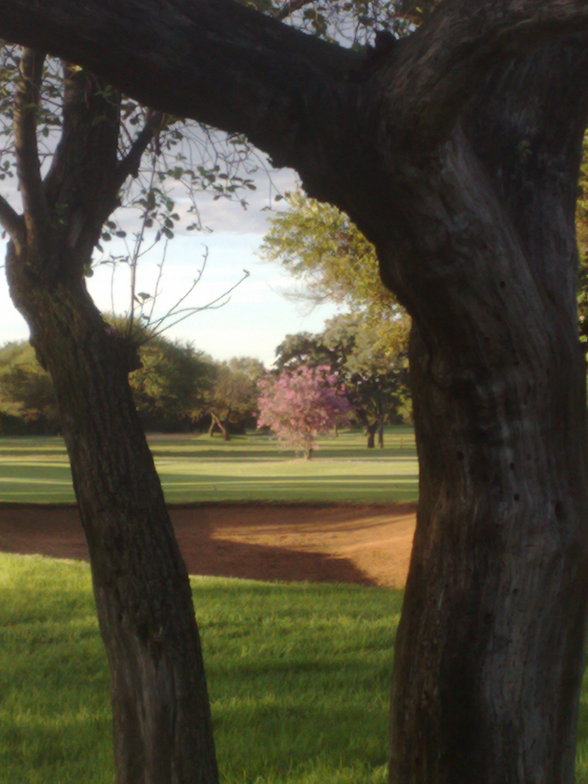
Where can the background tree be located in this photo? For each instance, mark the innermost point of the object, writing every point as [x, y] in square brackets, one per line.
[27, 400]
[321, 246]
[301, 404]
[456, 152]
[172, 385]
[232, 401]
[375, 379]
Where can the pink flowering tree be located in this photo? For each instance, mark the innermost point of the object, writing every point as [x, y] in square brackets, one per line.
[299, 405]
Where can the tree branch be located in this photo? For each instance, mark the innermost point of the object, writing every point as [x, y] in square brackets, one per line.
[289, 7]
[430, 76]
[26, 105]
[12, 222]
[216, 61]
[129, 165]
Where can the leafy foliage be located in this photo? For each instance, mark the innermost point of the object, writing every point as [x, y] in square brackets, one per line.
[375, 379]
[321, 246]
[232, 402]
[298, 405]
[27, 402]
[115, 178]
[170, 387]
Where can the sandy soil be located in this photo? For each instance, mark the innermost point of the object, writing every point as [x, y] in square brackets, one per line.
[369, 545]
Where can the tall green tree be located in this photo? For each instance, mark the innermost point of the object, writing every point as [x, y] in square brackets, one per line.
[172, 384]
[26, 392]
[321, 246]
[375, 380]
[456, 152]
[232, 400]
[375, 376]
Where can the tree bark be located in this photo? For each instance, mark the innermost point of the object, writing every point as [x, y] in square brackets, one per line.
[161, 719]
[162, 732]
[489, 652]
[490, 648]
[216, 421]
[381, 434]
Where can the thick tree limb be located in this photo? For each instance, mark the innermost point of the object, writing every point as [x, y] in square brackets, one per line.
[26, 102]
[227, 65]
[213, 60]
[521, 126]
[434, 72]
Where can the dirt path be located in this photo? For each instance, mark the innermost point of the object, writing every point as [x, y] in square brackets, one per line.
[369, 545]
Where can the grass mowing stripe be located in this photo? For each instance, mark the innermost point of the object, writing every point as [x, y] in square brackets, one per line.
[247, 468]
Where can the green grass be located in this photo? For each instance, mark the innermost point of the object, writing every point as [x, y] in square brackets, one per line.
[298, 676]
[252, 467]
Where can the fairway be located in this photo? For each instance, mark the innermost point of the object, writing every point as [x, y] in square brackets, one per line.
[247, 468]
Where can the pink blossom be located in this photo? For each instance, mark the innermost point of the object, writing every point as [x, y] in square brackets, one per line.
[298, 405]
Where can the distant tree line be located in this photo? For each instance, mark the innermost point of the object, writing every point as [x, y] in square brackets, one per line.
[176, 388]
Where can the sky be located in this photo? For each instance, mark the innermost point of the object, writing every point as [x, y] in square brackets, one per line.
[258, 315]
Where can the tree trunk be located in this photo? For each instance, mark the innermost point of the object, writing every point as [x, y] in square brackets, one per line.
[490, 649]
[489, 652]
[222, 426]
[371, 434]
[381, 433]
[162, 732]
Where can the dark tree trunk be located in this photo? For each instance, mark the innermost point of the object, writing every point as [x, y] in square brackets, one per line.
[489, 652]
[161, 717]
[490, 648]
[162, 732]
[371, 429]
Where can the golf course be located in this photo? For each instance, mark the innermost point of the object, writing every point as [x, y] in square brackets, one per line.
[298, 567]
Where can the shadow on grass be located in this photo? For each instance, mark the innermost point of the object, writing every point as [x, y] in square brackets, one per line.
[57, 532]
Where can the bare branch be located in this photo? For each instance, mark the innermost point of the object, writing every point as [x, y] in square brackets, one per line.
[431, 75]
[289, 7]
[12, 222]
[26, 104]
[175, 315]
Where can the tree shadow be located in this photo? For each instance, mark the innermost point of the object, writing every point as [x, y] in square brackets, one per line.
[205, 545]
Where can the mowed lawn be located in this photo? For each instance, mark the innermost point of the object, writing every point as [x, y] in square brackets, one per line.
[298, 676]
[247, 468]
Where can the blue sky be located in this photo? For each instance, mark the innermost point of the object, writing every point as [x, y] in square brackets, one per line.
[258, 315]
